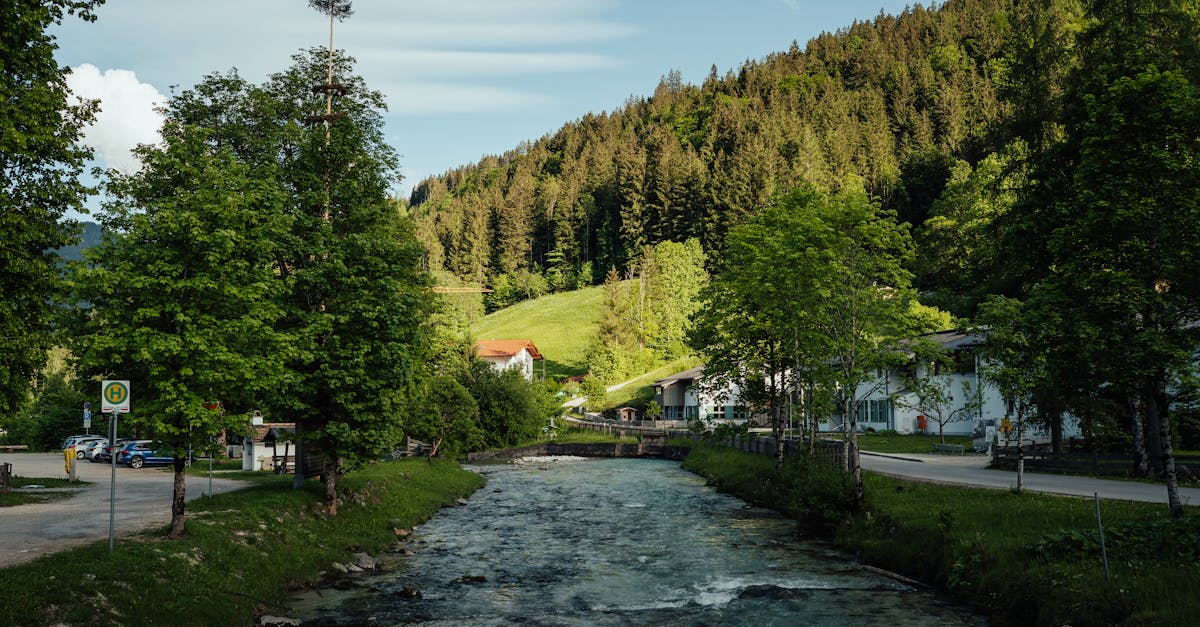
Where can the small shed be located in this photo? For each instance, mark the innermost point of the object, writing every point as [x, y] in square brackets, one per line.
[269, 443]
[627, 413]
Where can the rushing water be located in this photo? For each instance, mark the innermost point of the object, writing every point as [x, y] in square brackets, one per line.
[618, 542]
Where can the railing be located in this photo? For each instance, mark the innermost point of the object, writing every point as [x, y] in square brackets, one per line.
[1079, 462]
[826, 450]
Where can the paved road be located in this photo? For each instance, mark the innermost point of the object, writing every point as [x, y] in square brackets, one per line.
[143, 501]
[970, 470]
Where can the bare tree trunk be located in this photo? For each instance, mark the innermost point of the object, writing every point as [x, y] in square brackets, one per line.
[333, 470]
[777, 427]
[1153, 426]
[1056, 429]
[1139, 434]
[1164, 433]
[846, 435]
[1020, 447]
[854, 461]
[178, 499]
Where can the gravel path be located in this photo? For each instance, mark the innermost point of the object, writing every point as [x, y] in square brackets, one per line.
[143, 501]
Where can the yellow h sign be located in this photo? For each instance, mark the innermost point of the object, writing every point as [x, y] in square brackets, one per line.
[114, 397]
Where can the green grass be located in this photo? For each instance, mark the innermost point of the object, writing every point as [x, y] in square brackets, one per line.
[200, 466]
[1021, 559]
[560, 325]
[241, 553]
[640, 390]
[901, 443]
[587, 436]
[13, 499]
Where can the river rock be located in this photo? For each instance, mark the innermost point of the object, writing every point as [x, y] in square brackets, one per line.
[341, 568]
[268, 620]
[365, 562]
[409, 593]
[460, 501]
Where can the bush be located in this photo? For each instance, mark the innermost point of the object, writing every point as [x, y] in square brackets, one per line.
[512, 411]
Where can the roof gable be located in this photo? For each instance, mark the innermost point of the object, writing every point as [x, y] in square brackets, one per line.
[506, 348]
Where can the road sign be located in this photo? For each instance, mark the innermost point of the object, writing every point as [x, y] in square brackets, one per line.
[87, 419]
[114, 397]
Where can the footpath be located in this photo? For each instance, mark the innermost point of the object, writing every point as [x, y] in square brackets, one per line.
[971, 470]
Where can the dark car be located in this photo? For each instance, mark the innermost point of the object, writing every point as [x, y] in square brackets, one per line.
[104, 455]
[142, 453]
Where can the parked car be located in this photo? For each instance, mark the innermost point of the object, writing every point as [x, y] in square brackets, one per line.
[142, 453]
[79, 442]
[104, 455]
[91, 448]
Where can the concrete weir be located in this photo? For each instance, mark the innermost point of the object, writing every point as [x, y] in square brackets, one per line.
[652, 445]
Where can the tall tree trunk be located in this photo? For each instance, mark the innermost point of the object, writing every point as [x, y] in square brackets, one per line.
[854, 461]
[846, 435]
[1153, 427]
[298, 478]
[1142, 460]
[178, 499]
[333, 470]
[1020, 447]
[777, 428]
[1164, 433]
[1056, 429]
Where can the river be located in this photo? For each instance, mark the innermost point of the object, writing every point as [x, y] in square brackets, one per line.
[569, 541]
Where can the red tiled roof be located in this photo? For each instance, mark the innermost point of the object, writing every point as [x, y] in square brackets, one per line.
[505, 348]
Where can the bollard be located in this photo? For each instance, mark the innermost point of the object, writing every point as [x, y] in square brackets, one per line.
[69, 456]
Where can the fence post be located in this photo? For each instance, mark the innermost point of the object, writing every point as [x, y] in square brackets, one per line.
[5, 477]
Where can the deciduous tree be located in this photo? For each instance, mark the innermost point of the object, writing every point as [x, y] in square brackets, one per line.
[41, 158]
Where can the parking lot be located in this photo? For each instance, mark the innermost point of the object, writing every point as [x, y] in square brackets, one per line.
[143, 501]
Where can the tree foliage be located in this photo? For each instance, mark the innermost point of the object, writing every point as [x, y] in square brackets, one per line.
[41, 158]
[891, 102]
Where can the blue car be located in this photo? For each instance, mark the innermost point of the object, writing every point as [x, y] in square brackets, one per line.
[141, 453]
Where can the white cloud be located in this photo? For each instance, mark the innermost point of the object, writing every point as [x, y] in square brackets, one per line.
[127, 117]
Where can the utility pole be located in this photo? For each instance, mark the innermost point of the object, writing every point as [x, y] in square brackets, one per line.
[339, 10]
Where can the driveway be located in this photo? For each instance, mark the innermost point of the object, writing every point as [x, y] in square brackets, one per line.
[969, 470]
[143, 501]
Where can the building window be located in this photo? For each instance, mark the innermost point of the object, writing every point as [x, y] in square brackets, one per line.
[876, 411]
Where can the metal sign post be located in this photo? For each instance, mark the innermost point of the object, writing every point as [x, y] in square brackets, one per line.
[112, 493]
[114, 399]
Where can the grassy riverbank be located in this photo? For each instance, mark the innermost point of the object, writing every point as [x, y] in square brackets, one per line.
[241, 554]
[1020, 559]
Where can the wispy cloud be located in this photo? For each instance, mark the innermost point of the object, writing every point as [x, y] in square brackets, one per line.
[485, 64]
[434, 98]
[476, 34]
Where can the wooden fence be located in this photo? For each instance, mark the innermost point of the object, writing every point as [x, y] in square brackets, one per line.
[1083, 463]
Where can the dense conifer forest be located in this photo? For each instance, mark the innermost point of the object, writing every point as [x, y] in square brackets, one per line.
[903, 105]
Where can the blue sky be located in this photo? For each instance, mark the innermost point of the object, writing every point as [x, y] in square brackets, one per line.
[463, 78]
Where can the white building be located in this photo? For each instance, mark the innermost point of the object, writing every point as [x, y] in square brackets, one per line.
[681, 397]
[504, 354]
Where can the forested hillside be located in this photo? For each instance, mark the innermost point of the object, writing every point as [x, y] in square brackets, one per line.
[897, 103]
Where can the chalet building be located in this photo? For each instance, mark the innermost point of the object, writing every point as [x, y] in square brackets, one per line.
[505, 354]
[681, 397]
[885, 402]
